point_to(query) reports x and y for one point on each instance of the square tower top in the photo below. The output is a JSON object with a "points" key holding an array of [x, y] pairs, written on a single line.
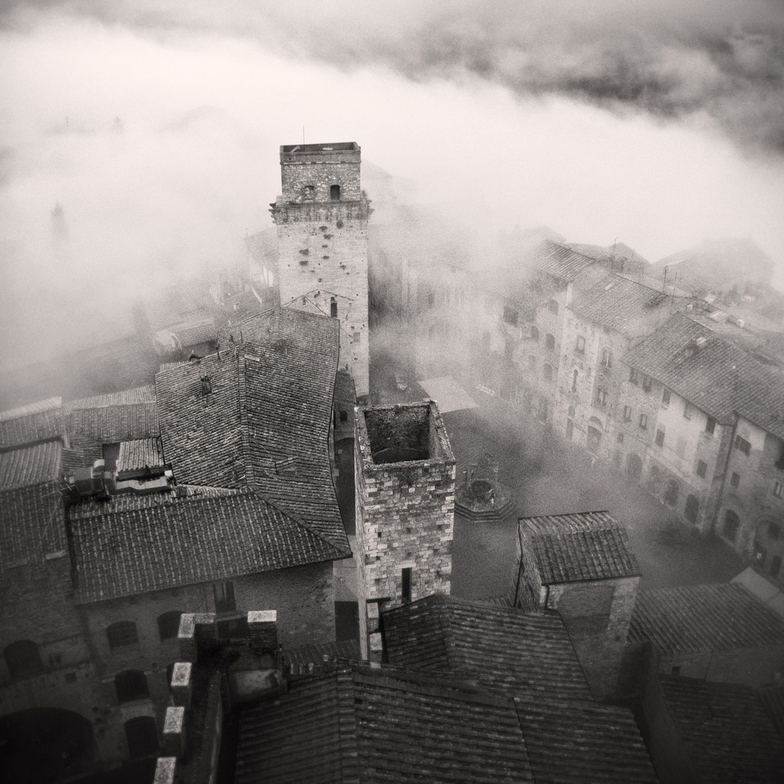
{"points": [[320, 172]]}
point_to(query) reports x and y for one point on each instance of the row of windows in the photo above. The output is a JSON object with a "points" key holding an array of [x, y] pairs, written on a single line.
{"points": [[642, 420], [309, 192], [124, 633]]}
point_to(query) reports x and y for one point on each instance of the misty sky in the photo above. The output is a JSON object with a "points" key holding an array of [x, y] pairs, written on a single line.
{"points": [[647, 122]]}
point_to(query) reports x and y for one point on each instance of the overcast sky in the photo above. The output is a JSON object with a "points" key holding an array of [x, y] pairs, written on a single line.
{"points": [[651, 123]]}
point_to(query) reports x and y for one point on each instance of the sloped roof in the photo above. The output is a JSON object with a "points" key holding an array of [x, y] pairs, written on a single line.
{"points": [[619, 303], [725, 730], [140, 453], [716, 617], [379, 726], [185, 541], [719, 378], [31, 465], [580, 741], [716, 263], [115, 417], [501, 646], [32, 524], [34, 422], [578, 547], [266, 420]]}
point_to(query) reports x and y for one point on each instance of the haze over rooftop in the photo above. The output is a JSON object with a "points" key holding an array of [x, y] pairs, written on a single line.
{"points": [[659, 128]]}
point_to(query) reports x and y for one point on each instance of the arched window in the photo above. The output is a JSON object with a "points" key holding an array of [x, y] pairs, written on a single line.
{"points": [[131, 685], [334, 192], [534, 332], [23, 659], [548, 372], [122, 634], [552, 306], [671, 496], [333, 307], [309, 192], [549, 342], [692, 509], [169, 625], [606, 358], [580, 346], [142, 737], [731, 525]]}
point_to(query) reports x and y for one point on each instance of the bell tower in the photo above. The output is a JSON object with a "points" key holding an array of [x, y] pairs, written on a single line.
{"points": [[321, 218]]}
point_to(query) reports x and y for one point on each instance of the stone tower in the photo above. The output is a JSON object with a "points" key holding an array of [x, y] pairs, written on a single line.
{"points": [[321, 220], [405, 509]]}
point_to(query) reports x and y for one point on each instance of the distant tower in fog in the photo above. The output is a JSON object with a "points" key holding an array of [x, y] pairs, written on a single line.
{"points": [[321, 219]]}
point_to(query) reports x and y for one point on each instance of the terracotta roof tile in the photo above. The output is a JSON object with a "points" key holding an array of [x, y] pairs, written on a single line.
{"points": [[265, 421], [32, 525], [109, 419], [35, 422], [31, 465], [716, 617], [578, 547], [185, 541], [380, 726], [725, 730], [140, 453], [503, 647]]}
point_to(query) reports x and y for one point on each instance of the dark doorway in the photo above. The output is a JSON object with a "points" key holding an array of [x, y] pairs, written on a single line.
{"points": [[45, 744], [634, 467], [594, 439], [142, 737], [346, 621]]}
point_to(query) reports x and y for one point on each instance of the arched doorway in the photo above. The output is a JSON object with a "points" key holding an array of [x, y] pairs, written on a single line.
{"points": [[45, 744], [634, 467], [671, 496], [142, 736], [594, 434]]}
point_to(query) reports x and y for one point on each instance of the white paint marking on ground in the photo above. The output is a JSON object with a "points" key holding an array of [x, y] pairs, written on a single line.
{"points": [[448, 394]]}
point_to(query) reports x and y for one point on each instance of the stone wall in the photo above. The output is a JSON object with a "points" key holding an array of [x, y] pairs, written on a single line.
{"points": [[323, 245], [405, 509]]}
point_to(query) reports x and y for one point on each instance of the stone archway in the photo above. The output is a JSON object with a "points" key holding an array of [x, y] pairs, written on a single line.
{"points": [[45, 744], [634, 467]]}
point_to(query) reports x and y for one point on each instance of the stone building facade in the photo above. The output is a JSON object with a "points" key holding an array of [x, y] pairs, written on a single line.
{"points": [[405, 505], [321, 218]]}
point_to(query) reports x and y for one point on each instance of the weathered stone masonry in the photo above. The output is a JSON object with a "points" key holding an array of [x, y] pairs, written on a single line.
{"points": [[321, 220], [405, 479]]}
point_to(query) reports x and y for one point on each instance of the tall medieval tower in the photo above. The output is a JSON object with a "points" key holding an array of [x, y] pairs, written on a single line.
{"points": [[322, 218]]}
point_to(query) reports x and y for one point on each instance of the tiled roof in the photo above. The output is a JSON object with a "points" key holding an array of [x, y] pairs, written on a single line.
{"points": [[557, 260], [619, 303], [716, 617], [379, 726], [266, 420], [719, 378], [502, 647], [192, 334], [32, 524], [715, 264], [120, 416], [140, 453], [31, 465], [725, 730], [581, 742], [35, 422], [187, 541], [577, 547], [772, 698]]}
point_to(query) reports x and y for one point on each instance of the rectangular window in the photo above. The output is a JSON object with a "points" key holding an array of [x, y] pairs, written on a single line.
{"points": [[627, 413], [580, 347], [666, 398], [406, 591], [646, 383], [644, 421], [778, 489], [735, 479], [743, 445], [659, 438], [710, 425], [601, 397], [702, 468], [224, 597], [633, 376], [686, 411]]}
